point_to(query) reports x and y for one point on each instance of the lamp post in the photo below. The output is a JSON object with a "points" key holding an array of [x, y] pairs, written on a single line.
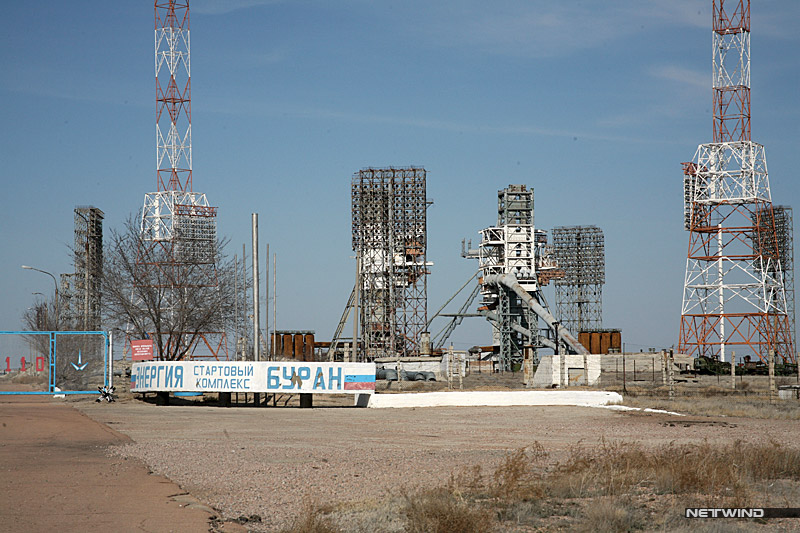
{"points": [[55, 283], [38, 309]]}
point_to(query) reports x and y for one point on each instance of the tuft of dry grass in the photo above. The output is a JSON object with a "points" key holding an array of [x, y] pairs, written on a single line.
{"points": [[516, 478], [440, 511], [715, 471], [312, 520], [610, 515]]}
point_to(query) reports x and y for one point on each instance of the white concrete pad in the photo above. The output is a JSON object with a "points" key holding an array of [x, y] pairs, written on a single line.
{"points": [[494, 398]]}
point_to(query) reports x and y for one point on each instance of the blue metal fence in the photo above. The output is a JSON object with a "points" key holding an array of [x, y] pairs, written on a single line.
{"points": [[52, 343]]}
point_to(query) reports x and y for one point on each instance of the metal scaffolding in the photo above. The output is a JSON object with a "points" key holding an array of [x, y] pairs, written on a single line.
{"points": [[784, 239], [514, 261], [88, 266], [734, 295], [178, 226], [390, 240], [580, 252]]}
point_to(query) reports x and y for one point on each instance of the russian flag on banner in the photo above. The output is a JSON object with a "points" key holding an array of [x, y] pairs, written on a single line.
{"points": [[133, 380], [359, 382]]}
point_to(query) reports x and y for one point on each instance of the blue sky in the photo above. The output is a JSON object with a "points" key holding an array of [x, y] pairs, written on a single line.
{"points": [[593, 104]]}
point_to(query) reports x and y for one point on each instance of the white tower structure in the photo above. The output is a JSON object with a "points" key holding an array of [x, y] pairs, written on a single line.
{"points": [[178, 226], [733, 295]]}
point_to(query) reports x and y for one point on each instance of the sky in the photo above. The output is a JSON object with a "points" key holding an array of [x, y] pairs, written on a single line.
{"points": [[592, 104]]}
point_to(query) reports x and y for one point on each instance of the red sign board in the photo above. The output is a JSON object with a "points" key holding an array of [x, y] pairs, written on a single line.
{"points": [[142, 350]]}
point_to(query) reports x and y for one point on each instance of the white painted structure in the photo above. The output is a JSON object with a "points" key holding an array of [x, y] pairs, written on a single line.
{"points": [[549, 371], [251, 376], [494, 398]]}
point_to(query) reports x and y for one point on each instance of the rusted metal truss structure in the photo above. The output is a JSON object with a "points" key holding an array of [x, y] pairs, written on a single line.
{"points": [[81, 302], [580, 252], [784, 238], [390, 240], [734, 295], [178, 226]]}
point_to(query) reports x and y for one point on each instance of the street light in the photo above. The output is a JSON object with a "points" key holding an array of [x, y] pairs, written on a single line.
{"points": [[55, 283]]}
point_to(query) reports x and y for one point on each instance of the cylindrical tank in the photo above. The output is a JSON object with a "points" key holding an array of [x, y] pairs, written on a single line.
{"points": [[309, 347], [596, 348], [605, 342], [298, 346], [288, 347], [585, 338], [616, 340], [275, 343]]}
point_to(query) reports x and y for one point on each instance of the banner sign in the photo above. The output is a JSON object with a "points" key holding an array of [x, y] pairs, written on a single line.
{"points": [[142, 350], [251, 376]]}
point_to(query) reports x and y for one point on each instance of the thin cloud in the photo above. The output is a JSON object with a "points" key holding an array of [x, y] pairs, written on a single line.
{"points": [[548, 29], [692, 78], [221, 7]]}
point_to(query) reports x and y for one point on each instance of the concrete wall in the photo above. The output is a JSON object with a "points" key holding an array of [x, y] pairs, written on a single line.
{"points": [[548, 373]]}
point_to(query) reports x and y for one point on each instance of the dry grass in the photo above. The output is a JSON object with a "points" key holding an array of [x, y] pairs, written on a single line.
{"points": [[610, 515], [721, 404], [610, 487], [707, 469], [312, 520], [441, 511]]}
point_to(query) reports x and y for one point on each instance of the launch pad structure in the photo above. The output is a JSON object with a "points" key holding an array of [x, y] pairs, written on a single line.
{"points": [[389, 236], [580, 253], [81, 291], [514, 262]]}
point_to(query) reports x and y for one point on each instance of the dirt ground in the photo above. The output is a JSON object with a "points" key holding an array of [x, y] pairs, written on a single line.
{"points": [[57, 475], [269, 461], [261, 465]]}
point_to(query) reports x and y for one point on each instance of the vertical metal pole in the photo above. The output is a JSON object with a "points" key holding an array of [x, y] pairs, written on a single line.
{"points": [[244, 302], [274, 298], [671, 374], [733, 369], [586, 369], [772, 376], [354, 351], [266, 305], [624, 377], [236, 303], [110, 358], [721, 295], [256, 303]]}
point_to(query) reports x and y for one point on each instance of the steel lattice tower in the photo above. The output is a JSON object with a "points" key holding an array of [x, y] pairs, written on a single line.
{"points": [[580, 252], [179, 227], [734, 294], [390, 240]]}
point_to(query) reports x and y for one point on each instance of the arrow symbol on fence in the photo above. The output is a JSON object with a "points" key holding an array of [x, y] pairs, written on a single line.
{"points": [[79, 366]]}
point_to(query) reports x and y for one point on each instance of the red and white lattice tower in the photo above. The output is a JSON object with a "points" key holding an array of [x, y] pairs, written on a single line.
{"points": [[178, 227], [733, 297]]}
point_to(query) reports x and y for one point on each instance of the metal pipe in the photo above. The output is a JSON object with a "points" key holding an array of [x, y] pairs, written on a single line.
{"points": [[511, 282], [494, 317], [354, 351], [236, 302], [256, 304], [274, 295], [266, 305]]}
